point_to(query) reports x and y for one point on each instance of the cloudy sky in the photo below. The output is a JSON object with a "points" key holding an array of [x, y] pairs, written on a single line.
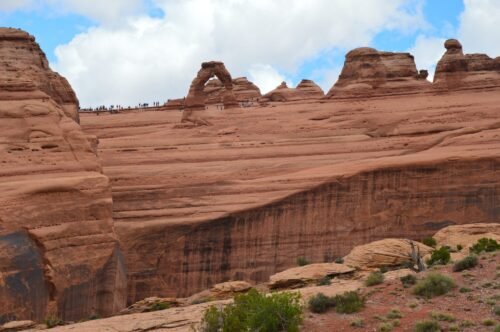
{"points": [[130, 51]]}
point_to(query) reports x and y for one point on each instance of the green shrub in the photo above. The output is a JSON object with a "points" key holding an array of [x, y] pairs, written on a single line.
{"points": [[464, 264], [496, 310], [408, 280], [465, 290], [497, 329], [159, 306], [52, 321], [394, 314], [348, 302], [302, 261], [429, 241], [459, 247], [339, 260], [485, 244], [385, 327], [374, 278], [357, 323], [255, 311], [325, 281], [434, 284], [442, 317], [320, 303], [439, 256], [427, 326], [488, 322]]}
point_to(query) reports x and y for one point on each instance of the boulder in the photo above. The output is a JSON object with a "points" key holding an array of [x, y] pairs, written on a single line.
{"points": [[303, 275], [466, 235], [14, 326], [387, 252]]}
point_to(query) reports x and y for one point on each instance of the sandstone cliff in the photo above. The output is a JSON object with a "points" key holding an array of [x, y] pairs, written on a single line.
{"points": [[58, 251], [243, 90], [194, 207]]}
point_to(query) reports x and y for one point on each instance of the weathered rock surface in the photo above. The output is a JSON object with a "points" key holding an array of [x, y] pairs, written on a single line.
{"points": [[305, 90], [24, 67], [222, 291], [467, 235], [386, 252], [243, 91], [19, 325], [303, 275], [368, 72], [456, 70], [58, 251]]}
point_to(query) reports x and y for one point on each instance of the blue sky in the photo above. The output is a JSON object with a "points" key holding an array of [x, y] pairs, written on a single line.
{"points": [[147, 50]]}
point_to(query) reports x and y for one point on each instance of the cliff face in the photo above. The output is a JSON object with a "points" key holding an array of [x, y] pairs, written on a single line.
{"points": [[24, 64], [367, 71], [243, 198], [58, 251]]}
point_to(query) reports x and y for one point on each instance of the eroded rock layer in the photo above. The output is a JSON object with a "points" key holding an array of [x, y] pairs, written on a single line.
{"points": [[243, 90], [305, 90], [58, 252], [243, 198]]}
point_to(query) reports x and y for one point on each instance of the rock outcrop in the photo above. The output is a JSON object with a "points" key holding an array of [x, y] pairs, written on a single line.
{"points": [[24, 67], [368, 72], [456, 70], [466, 235], [306, 90], [196, 99], [58, 251]]}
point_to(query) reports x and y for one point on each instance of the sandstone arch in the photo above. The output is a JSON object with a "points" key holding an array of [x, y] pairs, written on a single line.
{"points": [[195, 100]]}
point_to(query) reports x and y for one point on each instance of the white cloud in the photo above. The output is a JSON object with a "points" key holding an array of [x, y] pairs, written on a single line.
{"points": [[104, 11], [146, 59], [8, 5], [479, 24], [265, 77], [427, 52]]}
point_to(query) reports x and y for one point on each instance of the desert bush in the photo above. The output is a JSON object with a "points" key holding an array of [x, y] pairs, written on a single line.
{"points": [[442, 317], [348, 303], [439, 256], [485, 244], [374, 278], [459, 247], [255, 311], [429, 241], [408, 280], [385, 327], [464, 264], [159, 306], [434, 284], [325, 281], [465, 290], [359, 322], [339, 260], [497, 329], [427, 326], [302, 261], [52, 321], [320, 303], [496, 310], [488, 322], [394, 314]]}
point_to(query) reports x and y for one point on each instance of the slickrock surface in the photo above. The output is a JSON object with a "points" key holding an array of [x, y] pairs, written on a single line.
{"points": [[58, 251], [24, 67], [386, 252], [303, 275], [243, 198], [305, 90], [370, 72]]}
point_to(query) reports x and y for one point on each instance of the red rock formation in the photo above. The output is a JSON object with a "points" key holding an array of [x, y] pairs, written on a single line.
{"points": [[368, 72], [23, 64], [58, 251], [306, 90], [456, 70], [195, 100]]}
